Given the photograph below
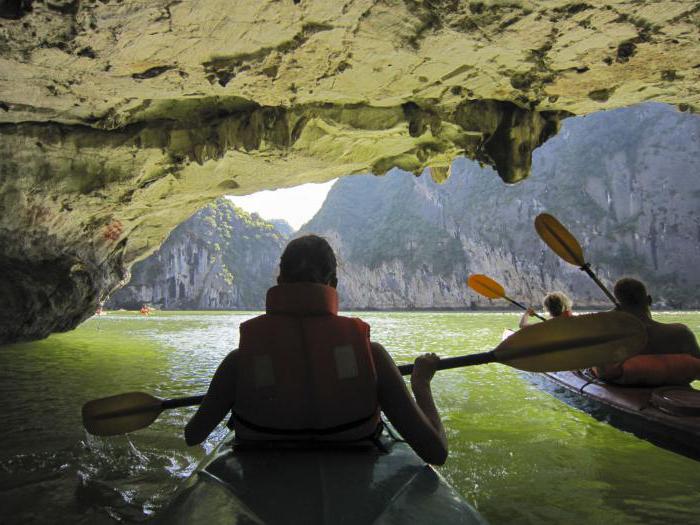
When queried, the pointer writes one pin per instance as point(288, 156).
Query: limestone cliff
point(624, 182)
point(220, 258)
point(120, 118)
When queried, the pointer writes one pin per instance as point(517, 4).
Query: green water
point(516, 453)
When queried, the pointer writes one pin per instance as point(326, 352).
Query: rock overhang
point(118, 119)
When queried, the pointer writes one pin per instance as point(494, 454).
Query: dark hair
point(631, 292)
point(308, 259)
point(557, 303)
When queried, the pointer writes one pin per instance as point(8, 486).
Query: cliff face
point(119, 119)
point(220, 258)
point(624, 182)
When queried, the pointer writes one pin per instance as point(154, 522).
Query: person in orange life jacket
point(663, 339)
point(556, 304)
point(302, 372)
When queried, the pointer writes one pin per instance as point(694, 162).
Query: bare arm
point(418, 421)
point(524, 319)
point(217, 402)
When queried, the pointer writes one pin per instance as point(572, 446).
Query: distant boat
point(146, 310)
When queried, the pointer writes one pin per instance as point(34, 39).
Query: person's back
point(671, 353)
point(663, 338)
point(303, 372)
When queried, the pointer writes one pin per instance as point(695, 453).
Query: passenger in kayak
point(302, 372)
point(556, 304)
point(673, 340)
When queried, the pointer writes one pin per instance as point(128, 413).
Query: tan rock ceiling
point(119, 118)
point(114, 63)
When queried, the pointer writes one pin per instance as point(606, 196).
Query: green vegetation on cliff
point(222, 257)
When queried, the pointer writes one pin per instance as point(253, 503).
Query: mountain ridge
point(622, 181)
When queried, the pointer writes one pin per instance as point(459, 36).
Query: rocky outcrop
point(220, 258)
point(119, 119)
point(624, 182)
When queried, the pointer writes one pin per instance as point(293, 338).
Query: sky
point(295, 205)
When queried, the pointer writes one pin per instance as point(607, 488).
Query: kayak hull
point(329, 485)
point(627, 408)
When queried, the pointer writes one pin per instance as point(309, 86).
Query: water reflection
point(519, 455)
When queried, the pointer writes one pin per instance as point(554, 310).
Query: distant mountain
point(282, 226)
point(625, 182)
point(220, 258)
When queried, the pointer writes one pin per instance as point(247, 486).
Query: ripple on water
point(518, 454)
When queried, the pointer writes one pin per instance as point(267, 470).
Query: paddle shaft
point(587, 268)
point(520, 305)
point(179, 402)
point(443, 364)
point(456, 362)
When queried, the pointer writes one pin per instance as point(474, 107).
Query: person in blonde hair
point(557, 304)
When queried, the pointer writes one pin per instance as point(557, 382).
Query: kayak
point(383, 483)
point(668, 417)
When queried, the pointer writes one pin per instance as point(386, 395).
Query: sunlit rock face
point(118, 119)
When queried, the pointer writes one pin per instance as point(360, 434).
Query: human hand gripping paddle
point(565, 245)
point(489, 288)
point(567, 343)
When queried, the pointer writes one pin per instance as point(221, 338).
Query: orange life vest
point(304, 372)
point(658, 370)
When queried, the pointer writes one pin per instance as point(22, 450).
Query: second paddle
point(490, 289)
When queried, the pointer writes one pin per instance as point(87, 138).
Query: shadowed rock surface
point(118, 120)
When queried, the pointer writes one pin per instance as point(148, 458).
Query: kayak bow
point(289, 484)
point(649, 413)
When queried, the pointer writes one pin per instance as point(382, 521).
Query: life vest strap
point(304, 431)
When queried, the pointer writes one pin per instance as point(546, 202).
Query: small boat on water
point(667, 416)
point(359, 483)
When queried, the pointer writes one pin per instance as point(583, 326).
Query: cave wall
point(119, 119)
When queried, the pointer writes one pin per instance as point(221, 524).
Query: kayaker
point(302, 372)
point(556, 304)
point(675, 341)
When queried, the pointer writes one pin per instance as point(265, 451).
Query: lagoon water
point(516, 453)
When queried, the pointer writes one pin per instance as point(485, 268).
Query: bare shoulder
point(678, 328)
point(381, 356)
point(377, 348)
point(229, 361)
point(676, 335)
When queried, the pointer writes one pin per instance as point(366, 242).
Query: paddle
point(565, 245)
point(489, 288)
point(564, 343)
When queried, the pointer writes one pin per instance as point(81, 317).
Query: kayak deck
point(629, 409)
point(353, 484)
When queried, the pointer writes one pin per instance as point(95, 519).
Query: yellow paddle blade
point(486, 286)
point(572, 343)
point(119, 414)
point(558, 238)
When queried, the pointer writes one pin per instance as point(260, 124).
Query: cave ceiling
point(119, 118)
